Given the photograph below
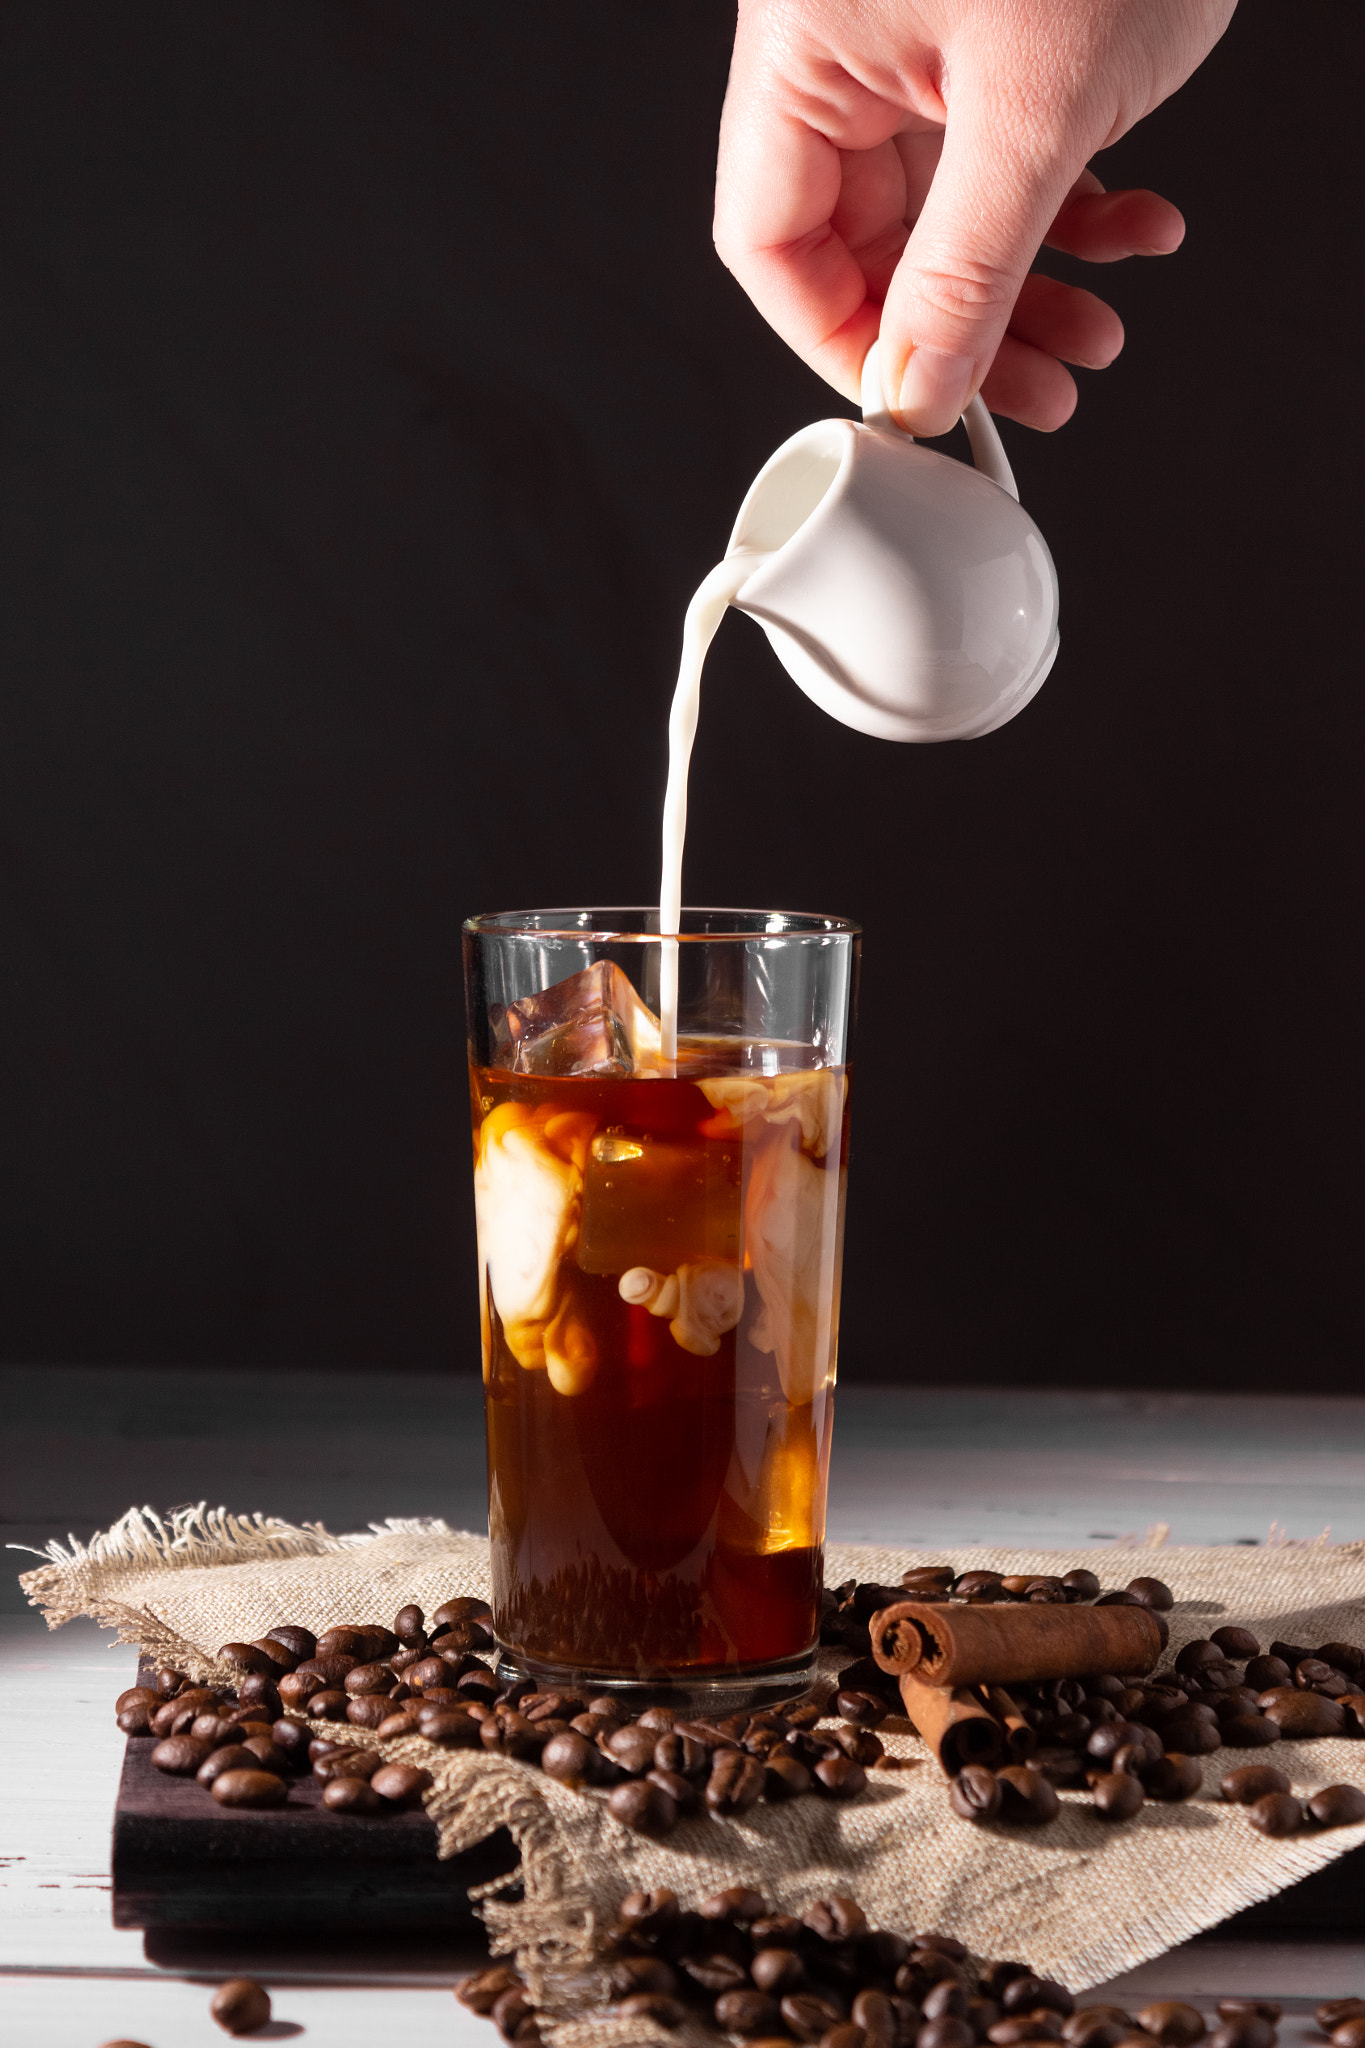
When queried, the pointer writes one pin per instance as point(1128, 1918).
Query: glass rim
point(778, 924)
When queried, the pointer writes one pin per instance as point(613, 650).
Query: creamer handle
point(987, 452)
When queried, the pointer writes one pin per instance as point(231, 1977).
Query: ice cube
point(592, 1023)
point(651, 1202)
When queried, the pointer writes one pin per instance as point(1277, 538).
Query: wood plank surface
point(918, 1467)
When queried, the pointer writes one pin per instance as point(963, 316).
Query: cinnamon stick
point(1020, 1739)
point(956, 1646)
point(954, 1723)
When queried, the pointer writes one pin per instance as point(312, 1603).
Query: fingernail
point(935, 390)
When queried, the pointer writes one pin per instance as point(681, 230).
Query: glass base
point(723, 1691)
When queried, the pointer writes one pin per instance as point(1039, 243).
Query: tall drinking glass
point(659, 1262)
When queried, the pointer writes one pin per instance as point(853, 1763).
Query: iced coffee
point(659, 1248)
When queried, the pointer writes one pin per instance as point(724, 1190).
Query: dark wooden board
point(181, 1861)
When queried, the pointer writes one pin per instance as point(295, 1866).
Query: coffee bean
point(809, 2014)
point(351, 1795)
point(784, 1777)
point(971, 1585)
point(862, 1709)
point(1250, 1731)
point(780, 1970)
point(1059, 1765)
point(1238, 1643)
point(713, 1970)
point(291, 1739)
point(846, 2036)
point(1347, 1657)
point(652, 2005)
point(1200, 1652)
point(878, 2017)
point(1333, 2011)
point(1172, 1777)
point(481, 1992)
point(836, 1918)
point(945, 2034)
point(1098, 2026)
point(861, 1744)
point(631, 1746)
point(241, 2006)
point(330, 1667)
point(1337, 1806)
point(1303, 1715)
point(1252, 1781)
point(1026, 1798)
point(400, 1723)
point(1116, 1795)
point(1083, 1584)
point(682, 1753)
point(735, 1781)
point(1115, 1598)
point(1349, 2033)
point(368, 1678)
point(328, 1705)
point(252, 1788)
point(509, 2010)
point(684, 1792)
point(650, 1912)
point(1275, 1813)
point(346, 1763)
point(450, 1727)
point(927, 1578)
point(974, 1794)
point(1034, 2026)
point(370, 1712)
point(1042, 1992)
point(1192, 1732)
point(233, 1756)
point(644, 1808)
point(1264, 1672)
point(180, 1755)
point(1352, 1705)
point(1172, 2023)
point(571, 1758)
point(1153, 1593)
point(212, 1728)
point(840, 1777)
point(296, 1688)
point(1265, 2009)
point(1249, 2030)
point(747, 2012)
point(945, 2001)
point(642, 1973)
point(401, 1784)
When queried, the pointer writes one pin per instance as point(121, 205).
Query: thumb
point(998, 184)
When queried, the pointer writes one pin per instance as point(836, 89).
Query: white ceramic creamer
point(909, 595)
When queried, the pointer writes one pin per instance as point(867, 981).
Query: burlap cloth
point(1081, 1899)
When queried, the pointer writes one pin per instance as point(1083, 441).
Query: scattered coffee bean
point(250, 1788)
point(1238, 1643)
point(736, 1781)
point(1333, 2011)
point(241, 2006)
point(1248, 2030)
point(839, 1777)
point(1275, 1813)
point(1337, 1806)
point(1299, 1716)
point(1172, 2024)
point(401, 1784)
point(643, 1807)
point(1117, 1795)
point(1026, 1797)
point(975, 1794)
point(1153, 1593)
point(1350, 2032)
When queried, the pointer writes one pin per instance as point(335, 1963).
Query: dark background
point(372, 400)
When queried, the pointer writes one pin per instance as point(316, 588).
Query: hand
point(893, 166)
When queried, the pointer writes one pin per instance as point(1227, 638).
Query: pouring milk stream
point(909, 595)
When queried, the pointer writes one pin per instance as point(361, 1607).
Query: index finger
point(777, 186)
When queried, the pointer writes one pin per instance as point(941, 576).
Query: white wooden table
point(914, 1467)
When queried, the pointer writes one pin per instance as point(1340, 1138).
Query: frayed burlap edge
point(565, 1840)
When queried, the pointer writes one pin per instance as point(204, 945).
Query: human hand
point(894, 166)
